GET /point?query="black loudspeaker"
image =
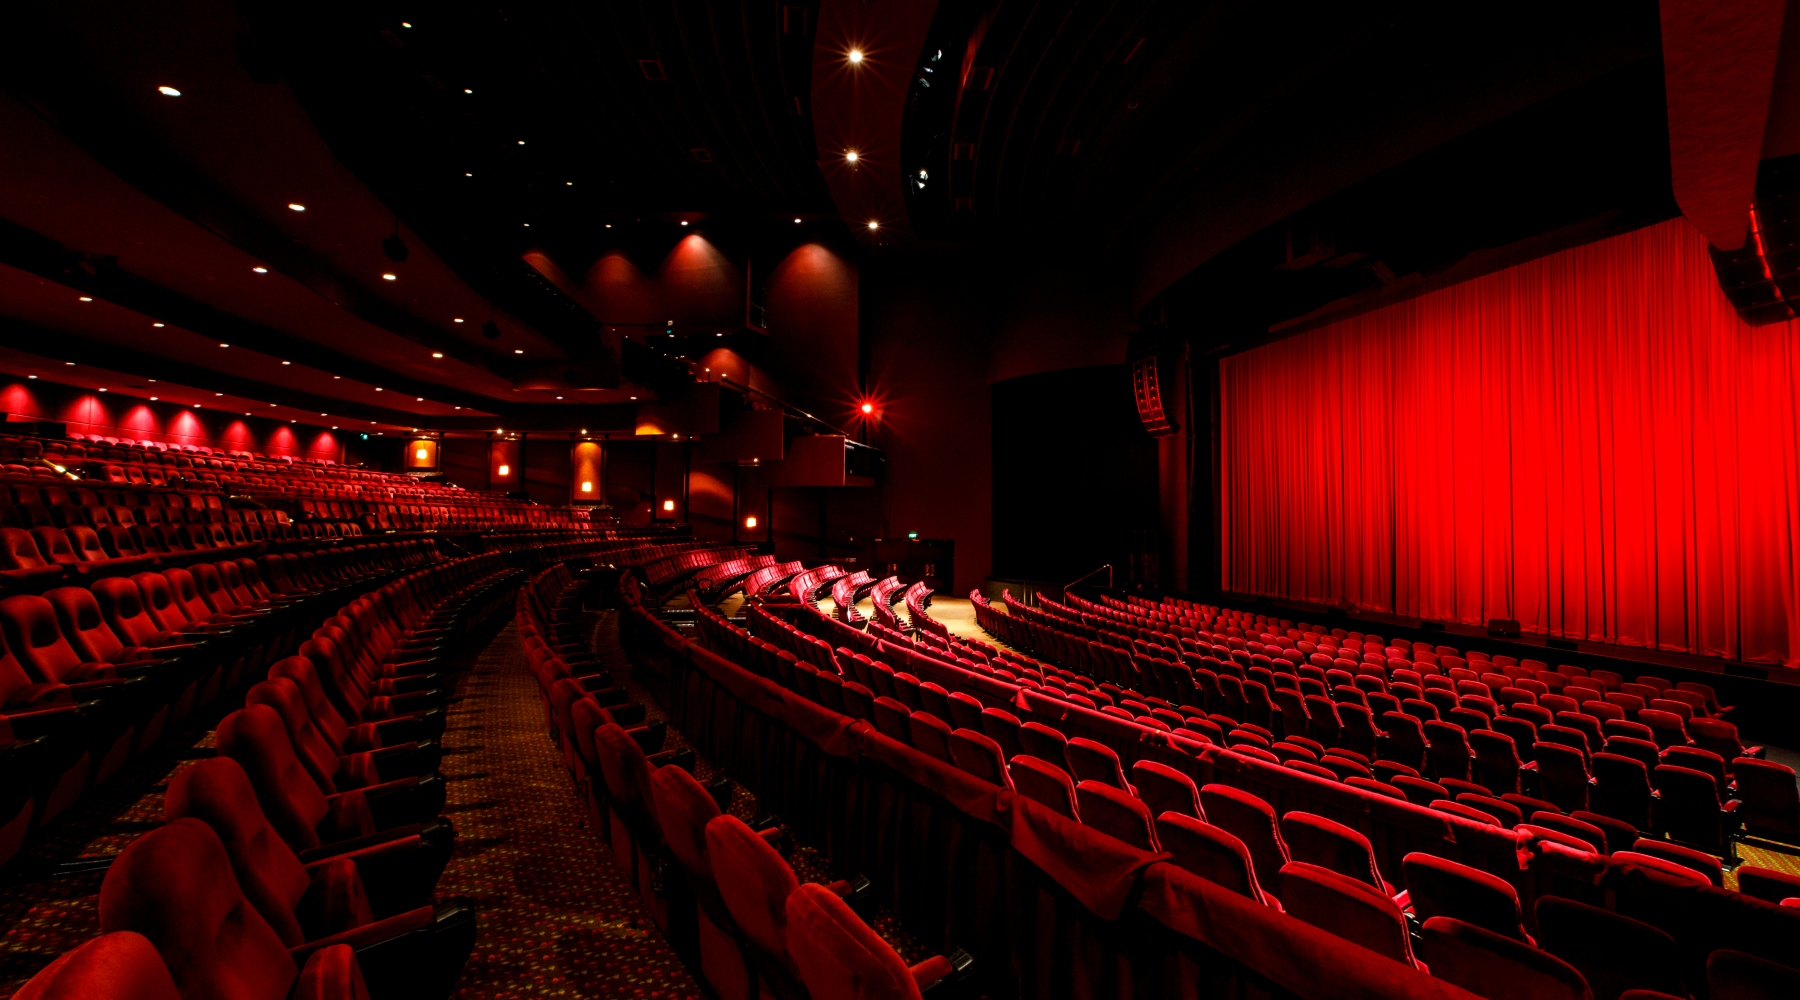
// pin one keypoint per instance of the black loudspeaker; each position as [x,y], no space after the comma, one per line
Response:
[1146,389]
[1762,278]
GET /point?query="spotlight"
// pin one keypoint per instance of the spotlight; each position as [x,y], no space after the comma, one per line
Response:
[868,408]
[490,330]
[855,56]
[874,225]
[395,248]
[168,91]
[851,156]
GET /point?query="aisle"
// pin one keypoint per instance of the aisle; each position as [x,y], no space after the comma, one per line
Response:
[556,919]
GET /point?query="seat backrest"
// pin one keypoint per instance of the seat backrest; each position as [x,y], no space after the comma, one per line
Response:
[1044,783]
[838,955]
[980,756]
[1439,887]
[757,886]
[1331,845]
[1091,761]
[1116,813]
[1496,966]
[893,720]
[35,638]
[218,793]
[1251,820]
[930,734]
[122,965]
[174,885]
[1043,742]
[1346,907]
[257,739]
[683,808]
[1209,852]
[310,745]
[79,618]
[1165,789]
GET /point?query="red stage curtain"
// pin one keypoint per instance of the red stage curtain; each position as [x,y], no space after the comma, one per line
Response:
[1592,443]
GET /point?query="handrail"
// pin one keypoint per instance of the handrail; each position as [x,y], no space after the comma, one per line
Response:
[1109,577]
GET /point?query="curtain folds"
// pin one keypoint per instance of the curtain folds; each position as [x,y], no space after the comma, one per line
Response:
[1592,443]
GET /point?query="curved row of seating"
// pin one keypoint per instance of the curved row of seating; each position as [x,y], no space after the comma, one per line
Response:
[302,859]
[735,909]
[954,726]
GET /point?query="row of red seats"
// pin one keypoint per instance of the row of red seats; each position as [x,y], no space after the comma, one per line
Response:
[758,930]
[303,857]
[1336,894]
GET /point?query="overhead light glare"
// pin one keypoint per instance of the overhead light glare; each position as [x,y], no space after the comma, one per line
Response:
[168,91]
[517,351]
[224,345]
[855,56]
[87,298]
[260,269]
[390,277]
[851,156]
[439,354]
[157,325]
[874,224]
[750,522]
[287,362]
[796,222]
[296,206]
[868,408]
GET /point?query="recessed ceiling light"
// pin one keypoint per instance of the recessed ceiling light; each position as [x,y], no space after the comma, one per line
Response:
[521,142]
[31,376]
[467,174]
[390,277]
[405,24]
[457,320]
[634,397]
[287,362]
[334,427]
[260,270]
[568,183]
[851,156]
[157,325]
[378,388]
[874,225]
[218,394]
[459,407]
[100,390]
[337,376]
[296,206]
[86,298]
[517,351]
[68,362]
[152,399]
[437,354]
[466,90]
[421,399]
[168,91]
[559,397]
[224,345]
[684,222]
[609,225]
[796,222]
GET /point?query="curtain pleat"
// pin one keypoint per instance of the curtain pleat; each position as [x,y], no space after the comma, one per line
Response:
[1592,443]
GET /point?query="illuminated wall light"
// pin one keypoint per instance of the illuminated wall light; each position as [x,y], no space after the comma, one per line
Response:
[168,91]
[750,522]
[668,505]
[504,470]
[422,454]
[587,487]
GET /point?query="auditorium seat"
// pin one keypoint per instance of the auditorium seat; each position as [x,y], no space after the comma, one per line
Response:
[1689,810]
[1044,743]
[1091,761]
[1165,789]
[1116,813]
[980,756]
[1614,953]
[1622,789]
[122,965]
[1439,887]
[1002,727]
[839,957]
[755,889]
[1252,821]
[1769,801]
[1348,908]
[1769,884]
[1329,844]
[1212,854]
[1496,966]
[684,808]
[175,887]
[1044,783]
[931,735]
[1734,975]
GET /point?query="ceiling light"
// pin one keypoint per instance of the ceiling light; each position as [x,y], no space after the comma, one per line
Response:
[439,354]
[260,270]
[874,225]
[467,174]
[466,90]
[334,427]
[378,388]
[31,376]
[568,183]
[152,399]
[405,24]
[796,222]
[100,390]
[168,91]
[868,407]
[634,397]
[71,362]
[420,399]
[337,376]
[521,142]
[851,156]
[527,225]
[459,407]
[224,345]
[157,325]
[517,351]
[855,56]
[86,298]
[218,394]
[457,320]
[390,277]
[609,225]
[584,430]
[296,206]
[287,362]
